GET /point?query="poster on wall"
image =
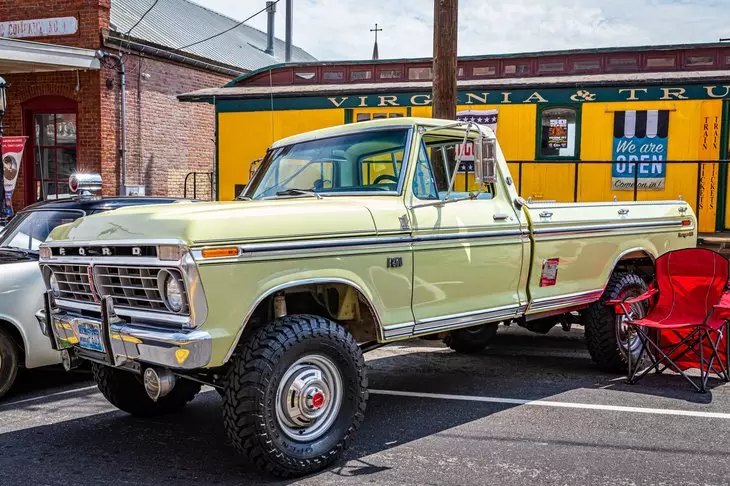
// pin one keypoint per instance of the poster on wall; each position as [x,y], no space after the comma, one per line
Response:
[12,156]
[482,117]
[558,136]
[640,150]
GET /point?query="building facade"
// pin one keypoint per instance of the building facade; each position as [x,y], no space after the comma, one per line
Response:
[645,123]
[65,96]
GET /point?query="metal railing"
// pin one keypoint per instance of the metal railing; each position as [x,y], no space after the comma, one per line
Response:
[208,182]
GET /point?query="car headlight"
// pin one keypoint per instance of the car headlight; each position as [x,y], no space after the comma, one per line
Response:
[174,293]
[53,282]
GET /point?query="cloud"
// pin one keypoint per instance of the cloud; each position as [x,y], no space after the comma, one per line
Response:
[339,29]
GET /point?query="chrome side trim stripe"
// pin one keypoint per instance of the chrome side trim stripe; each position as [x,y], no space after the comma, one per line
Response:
[397,331]
[567,300]
[455,321]
[600,228]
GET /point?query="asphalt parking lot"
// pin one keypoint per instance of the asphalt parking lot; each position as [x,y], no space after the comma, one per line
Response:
[530,409]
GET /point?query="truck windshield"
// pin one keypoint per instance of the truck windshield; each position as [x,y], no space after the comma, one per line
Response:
[368,162]
[29,229]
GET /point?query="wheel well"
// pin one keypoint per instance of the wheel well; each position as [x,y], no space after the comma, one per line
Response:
[15,335]
[340,302]
[639,262]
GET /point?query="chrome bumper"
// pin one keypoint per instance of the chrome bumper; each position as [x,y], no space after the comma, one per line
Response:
[173,349]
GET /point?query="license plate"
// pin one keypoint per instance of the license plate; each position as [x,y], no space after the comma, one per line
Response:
[90,337]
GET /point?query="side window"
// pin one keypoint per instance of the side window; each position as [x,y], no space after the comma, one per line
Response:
[381,168]
[424,186]
[438,157]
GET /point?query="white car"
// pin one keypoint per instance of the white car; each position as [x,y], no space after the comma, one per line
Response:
[22,344]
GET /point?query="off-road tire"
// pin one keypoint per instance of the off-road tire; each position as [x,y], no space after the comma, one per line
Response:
[9,360]
[125,391]
[599,322]
[471,339]
[254,375]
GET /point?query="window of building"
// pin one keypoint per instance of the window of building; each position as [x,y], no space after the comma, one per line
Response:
[390,74]
[559,132]
[360,75]
[622,62]
[420,73]
[54,149]
[333,75]
[376,116]
[587,65]
[460,72]
[727,60]
[661,62]
[484,71]
[700,61]
[551,67]
[308,75]
[517,69]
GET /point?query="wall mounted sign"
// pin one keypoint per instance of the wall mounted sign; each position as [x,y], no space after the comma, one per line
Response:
[558,135]
[16,29]
[640,150]
[12,157]
[482,117]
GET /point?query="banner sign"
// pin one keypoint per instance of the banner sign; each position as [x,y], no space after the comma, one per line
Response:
[482,117]
[12,157]
[640,150]
[16,29]
[558,136]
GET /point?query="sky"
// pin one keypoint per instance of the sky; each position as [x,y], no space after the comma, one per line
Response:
[339,29]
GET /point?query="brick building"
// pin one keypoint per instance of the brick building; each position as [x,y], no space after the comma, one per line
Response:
[66,96]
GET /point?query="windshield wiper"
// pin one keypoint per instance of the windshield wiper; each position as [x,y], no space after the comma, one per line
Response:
[18,251]
[298,192]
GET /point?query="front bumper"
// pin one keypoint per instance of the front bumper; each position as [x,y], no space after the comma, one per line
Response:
[124,342]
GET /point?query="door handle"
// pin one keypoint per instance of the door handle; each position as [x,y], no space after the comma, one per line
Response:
[623,212]
[500,217]
[546,214]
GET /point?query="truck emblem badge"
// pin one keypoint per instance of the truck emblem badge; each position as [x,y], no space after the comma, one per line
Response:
[106,251]
[136,251]
[82,252]
[404,222]
[62,251]
[394,262]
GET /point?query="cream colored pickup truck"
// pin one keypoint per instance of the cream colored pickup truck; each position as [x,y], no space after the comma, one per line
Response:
[345,239]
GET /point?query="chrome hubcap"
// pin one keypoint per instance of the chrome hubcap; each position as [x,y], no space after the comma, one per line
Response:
[626,337]
[309,398]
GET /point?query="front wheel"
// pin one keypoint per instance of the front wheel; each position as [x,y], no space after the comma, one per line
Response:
[296,392]
[9,360]
[125,391]
[608,337]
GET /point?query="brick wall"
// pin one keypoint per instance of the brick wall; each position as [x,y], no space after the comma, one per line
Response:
[166,139]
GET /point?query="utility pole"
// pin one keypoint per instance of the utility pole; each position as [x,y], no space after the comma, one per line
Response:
[445,20]
[288,29]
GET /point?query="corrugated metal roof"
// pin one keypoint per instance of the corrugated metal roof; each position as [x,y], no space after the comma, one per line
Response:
[176,23]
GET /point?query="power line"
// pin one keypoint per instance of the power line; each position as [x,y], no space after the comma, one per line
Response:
[141,18]
[230,29]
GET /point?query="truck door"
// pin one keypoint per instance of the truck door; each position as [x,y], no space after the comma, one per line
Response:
[468,255]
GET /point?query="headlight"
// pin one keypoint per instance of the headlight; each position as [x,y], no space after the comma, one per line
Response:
[53,282]
[174,294]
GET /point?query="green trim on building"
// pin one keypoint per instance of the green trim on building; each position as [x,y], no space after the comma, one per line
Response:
[348,115]
[722,182]
[538,133]
[477,96]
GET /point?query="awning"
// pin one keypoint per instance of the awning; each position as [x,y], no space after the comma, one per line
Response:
[18,56]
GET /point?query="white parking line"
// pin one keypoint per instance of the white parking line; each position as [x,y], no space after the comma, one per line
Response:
[549,403]
[46,397]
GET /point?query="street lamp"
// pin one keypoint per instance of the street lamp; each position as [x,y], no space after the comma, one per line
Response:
[3,107]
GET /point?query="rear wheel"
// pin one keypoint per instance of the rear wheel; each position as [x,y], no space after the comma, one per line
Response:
[125,391]
[9,360]
[608,337]
[296,393]
[471,339]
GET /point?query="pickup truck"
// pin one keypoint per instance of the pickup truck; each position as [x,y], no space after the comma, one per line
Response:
[345,239]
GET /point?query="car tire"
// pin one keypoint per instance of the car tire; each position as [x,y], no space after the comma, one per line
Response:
[606,337]
[125,391]
[9,361]
[471,339]
[282,376]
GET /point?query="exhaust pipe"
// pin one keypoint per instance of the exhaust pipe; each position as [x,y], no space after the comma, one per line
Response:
[158,383]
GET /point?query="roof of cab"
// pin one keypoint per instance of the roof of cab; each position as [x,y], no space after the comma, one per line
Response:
[99,203]
[404,122]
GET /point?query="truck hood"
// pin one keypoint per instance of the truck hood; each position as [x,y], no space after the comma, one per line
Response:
[220,222]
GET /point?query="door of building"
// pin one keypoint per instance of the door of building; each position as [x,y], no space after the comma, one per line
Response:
[52,151]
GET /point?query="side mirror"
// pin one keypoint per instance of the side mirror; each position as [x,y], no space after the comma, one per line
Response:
[485,160]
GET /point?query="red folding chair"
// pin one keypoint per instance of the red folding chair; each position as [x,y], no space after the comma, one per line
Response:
[687,317]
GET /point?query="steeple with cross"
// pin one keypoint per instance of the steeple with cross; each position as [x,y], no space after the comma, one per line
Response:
[375,46]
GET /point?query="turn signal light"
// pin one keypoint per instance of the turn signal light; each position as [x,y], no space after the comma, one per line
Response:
[45,252]
[220,252]
[686,222]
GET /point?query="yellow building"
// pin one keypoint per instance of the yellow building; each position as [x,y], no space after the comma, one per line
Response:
[633,123]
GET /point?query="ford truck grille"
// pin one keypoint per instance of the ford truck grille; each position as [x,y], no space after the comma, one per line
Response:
[73,282]
[134,287]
